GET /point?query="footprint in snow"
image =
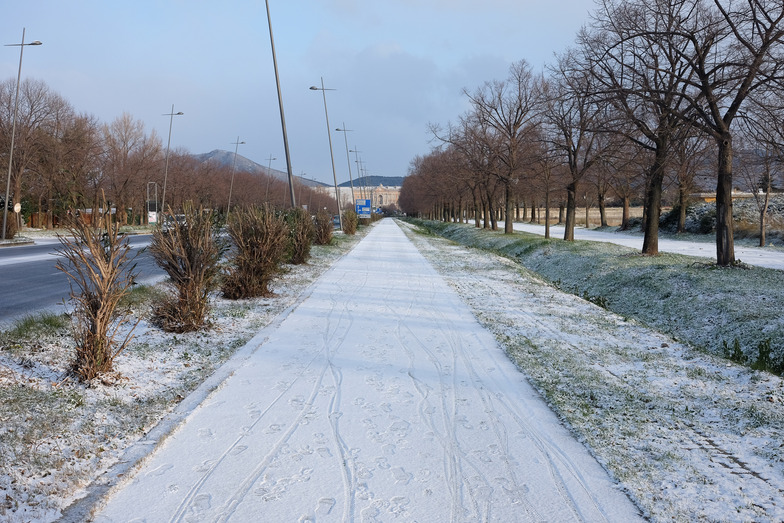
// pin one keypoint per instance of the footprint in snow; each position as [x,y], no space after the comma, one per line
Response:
[160,471]
[401,476]
[325,506]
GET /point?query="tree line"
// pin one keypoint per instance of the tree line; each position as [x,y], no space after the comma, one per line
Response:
[64,160]
[652,95]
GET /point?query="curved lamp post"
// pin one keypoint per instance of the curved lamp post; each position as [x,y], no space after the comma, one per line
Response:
[13,127]
[171,116]
[348,161]
[329,135]
[233,168]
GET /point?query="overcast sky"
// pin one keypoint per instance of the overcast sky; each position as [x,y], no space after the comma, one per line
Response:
[395,65]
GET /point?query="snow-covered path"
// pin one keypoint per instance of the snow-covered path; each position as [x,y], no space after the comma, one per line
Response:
[379,398]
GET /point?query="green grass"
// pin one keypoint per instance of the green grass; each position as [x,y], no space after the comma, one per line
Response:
[32,326]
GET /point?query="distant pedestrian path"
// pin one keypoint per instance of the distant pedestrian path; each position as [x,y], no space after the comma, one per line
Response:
[759,256]
[378,398]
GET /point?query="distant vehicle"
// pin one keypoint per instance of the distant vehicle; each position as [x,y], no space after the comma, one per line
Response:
[336,220]
[169,221]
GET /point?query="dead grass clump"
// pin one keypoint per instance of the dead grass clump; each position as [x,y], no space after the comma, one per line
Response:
[101,272]
[324,228]
[189,251]
[260,238]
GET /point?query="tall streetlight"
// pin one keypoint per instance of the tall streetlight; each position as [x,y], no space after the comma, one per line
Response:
[233,168]
[348,161]
[359,172]
[282,117]
[332,157]
[171,116]
[269,176]
[13,127]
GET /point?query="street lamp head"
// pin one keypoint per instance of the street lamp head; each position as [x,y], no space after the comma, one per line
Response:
[314,88]
[180,113]
[37,42]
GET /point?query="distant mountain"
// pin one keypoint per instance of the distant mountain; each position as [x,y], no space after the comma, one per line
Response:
[375,181]
[226,159]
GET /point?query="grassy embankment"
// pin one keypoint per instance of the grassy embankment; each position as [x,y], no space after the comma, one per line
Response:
[731,312]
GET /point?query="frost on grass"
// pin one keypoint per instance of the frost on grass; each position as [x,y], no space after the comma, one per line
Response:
[689,436]
[57,435]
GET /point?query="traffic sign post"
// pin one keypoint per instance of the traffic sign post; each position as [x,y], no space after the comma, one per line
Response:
[362,208]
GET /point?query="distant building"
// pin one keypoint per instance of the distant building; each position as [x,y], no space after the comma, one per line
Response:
[379,196]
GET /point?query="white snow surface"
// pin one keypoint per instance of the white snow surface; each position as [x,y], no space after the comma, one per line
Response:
[378,398]
[771,258]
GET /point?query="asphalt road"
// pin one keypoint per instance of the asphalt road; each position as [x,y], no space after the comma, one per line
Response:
[30,281]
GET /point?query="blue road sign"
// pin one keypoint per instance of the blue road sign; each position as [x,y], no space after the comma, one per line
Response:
[362,208]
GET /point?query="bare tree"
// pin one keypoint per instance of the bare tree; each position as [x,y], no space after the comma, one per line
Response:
[505,113]
[37,105]
[129,156]
[572,116]
[734,50]
[635,59]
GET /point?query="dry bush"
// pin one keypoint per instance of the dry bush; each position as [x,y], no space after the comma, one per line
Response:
[189,251]
[350,222]
[324,228]
[100,273]
[301,231]
[10,223]
[260,238]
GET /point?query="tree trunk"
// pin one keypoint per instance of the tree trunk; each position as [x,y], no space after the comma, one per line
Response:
[650,242]
[491,213]
[602,210]
[587,208]
[547,214]
[477,217]
[571,203]
[725,246]
[625,216]
[508,220]
[682,203]
[560,213]
[763,214]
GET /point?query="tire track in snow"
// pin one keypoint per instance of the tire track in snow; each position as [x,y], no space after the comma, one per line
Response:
[333,336]
[454,453]
[479,497]
[191,496]
[554,457]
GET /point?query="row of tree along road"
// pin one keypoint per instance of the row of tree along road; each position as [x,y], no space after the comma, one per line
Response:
[65,160]
[652,98]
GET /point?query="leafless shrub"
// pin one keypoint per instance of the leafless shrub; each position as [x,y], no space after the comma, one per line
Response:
[301,232]
[189,251]
[324,228]
[260,236]
[101,272]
